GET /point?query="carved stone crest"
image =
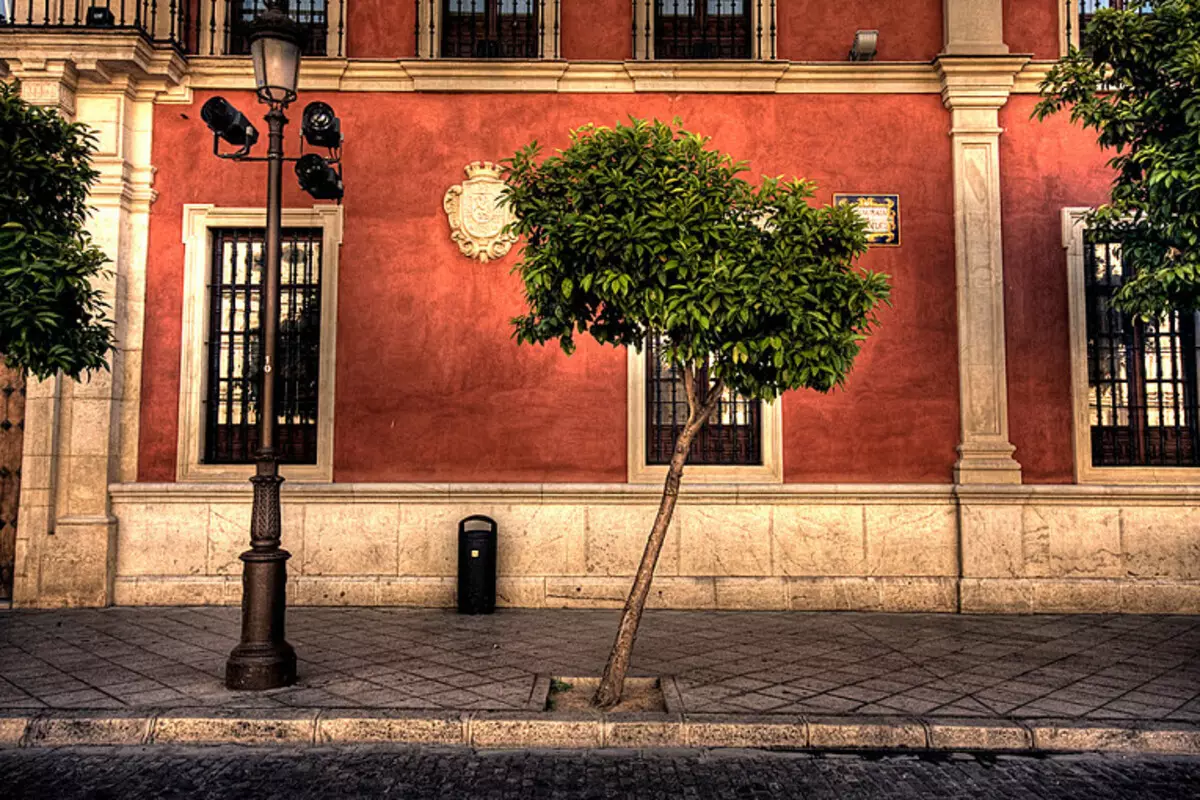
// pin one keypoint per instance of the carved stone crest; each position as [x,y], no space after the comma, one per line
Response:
[477,216]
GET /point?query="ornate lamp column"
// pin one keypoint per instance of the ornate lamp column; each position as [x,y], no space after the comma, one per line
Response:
[263,659]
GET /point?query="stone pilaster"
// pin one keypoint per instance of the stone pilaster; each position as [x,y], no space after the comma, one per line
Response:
[974,28]
[974,89]
[82,436]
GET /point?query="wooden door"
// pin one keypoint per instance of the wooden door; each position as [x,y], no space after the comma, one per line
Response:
[12,434]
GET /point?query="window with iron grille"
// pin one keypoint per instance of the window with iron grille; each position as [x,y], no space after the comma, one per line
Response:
[312,15]
[1088,9]
[235,293]
[700,29]
[492,28]
[1141,375]
[732,437]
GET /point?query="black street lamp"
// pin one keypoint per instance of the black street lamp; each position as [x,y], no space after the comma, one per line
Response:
[263,659]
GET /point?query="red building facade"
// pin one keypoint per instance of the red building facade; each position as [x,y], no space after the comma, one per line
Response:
[955,471]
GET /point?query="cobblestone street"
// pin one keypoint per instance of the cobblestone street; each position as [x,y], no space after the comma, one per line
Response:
[1020,667]
[231,772]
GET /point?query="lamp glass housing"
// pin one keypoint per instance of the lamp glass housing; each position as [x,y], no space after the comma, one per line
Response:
[275,51]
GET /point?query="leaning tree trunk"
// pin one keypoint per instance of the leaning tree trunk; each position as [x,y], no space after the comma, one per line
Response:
[612,684]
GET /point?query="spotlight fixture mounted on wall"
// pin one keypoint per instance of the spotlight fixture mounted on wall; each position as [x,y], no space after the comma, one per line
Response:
[227,123]
[320,126]
[866,45]
[319,178]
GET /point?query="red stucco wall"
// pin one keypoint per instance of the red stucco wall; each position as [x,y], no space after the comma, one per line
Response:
[596,30]
[1032,27]
[909,30]
[1045,167]
[381,28]
[429,383]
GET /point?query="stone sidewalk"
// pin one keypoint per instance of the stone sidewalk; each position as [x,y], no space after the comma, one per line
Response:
[1112,673]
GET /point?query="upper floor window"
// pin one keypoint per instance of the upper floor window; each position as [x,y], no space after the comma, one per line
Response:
[234,344]
[312,15]
[1142,390]
[1084,10]
[683,30]
[490,29]
[701,29]
[519,29]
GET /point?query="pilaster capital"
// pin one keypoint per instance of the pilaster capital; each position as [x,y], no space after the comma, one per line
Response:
[47,82]
[978,82]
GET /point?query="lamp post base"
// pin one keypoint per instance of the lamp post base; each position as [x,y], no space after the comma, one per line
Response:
[258,667]
[263,659]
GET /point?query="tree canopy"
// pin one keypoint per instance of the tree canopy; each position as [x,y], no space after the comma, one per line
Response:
[51,316]
[643,230]
[1138,85]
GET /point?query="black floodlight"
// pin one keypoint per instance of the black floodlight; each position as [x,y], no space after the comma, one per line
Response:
[228,123]
[319,179]
[320,126]
[100,17]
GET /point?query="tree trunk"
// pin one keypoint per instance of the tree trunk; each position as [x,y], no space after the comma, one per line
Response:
[612,684]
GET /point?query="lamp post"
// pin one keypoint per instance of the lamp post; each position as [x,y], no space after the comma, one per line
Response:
[263,659]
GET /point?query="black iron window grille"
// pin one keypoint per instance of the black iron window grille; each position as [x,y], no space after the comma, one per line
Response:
[704,29]
[313,16]
[492,28]
[733,437]
[1087,9]
[235,290]
[1141,375]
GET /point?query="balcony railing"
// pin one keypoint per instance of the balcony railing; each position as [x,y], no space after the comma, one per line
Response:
[193,27]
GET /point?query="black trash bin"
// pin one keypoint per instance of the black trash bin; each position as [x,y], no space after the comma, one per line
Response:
[477,565]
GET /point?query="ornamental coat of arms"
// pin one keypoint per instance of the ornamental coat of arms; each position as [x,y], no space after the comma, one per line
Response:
[477,216]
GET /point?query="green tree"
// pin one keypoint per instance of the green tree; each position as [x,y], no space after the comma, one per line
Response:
[51,317]
[1138,85]
[644,231]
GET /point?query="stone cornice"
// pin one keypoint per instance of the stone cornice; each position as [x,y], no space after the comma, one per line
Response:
[97,56]
[641,494]
[581,76]
[103,58]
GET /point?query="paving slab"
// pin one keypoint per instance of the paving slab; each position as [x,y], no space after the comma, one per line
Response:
[735,679]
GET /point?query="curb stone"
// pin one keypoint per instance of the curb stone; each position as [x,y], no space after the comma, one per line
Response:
[529,730]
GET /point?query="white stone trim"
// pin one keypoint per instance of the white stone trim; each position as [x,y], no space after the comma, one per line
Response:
[770,471]
[1073,228]
[429,42]
[763,19]
[728,494]
[1068,14]
[198,220]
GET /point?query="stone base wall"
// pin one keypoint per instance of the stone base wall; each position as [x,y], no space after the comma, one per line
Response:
[880,548]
